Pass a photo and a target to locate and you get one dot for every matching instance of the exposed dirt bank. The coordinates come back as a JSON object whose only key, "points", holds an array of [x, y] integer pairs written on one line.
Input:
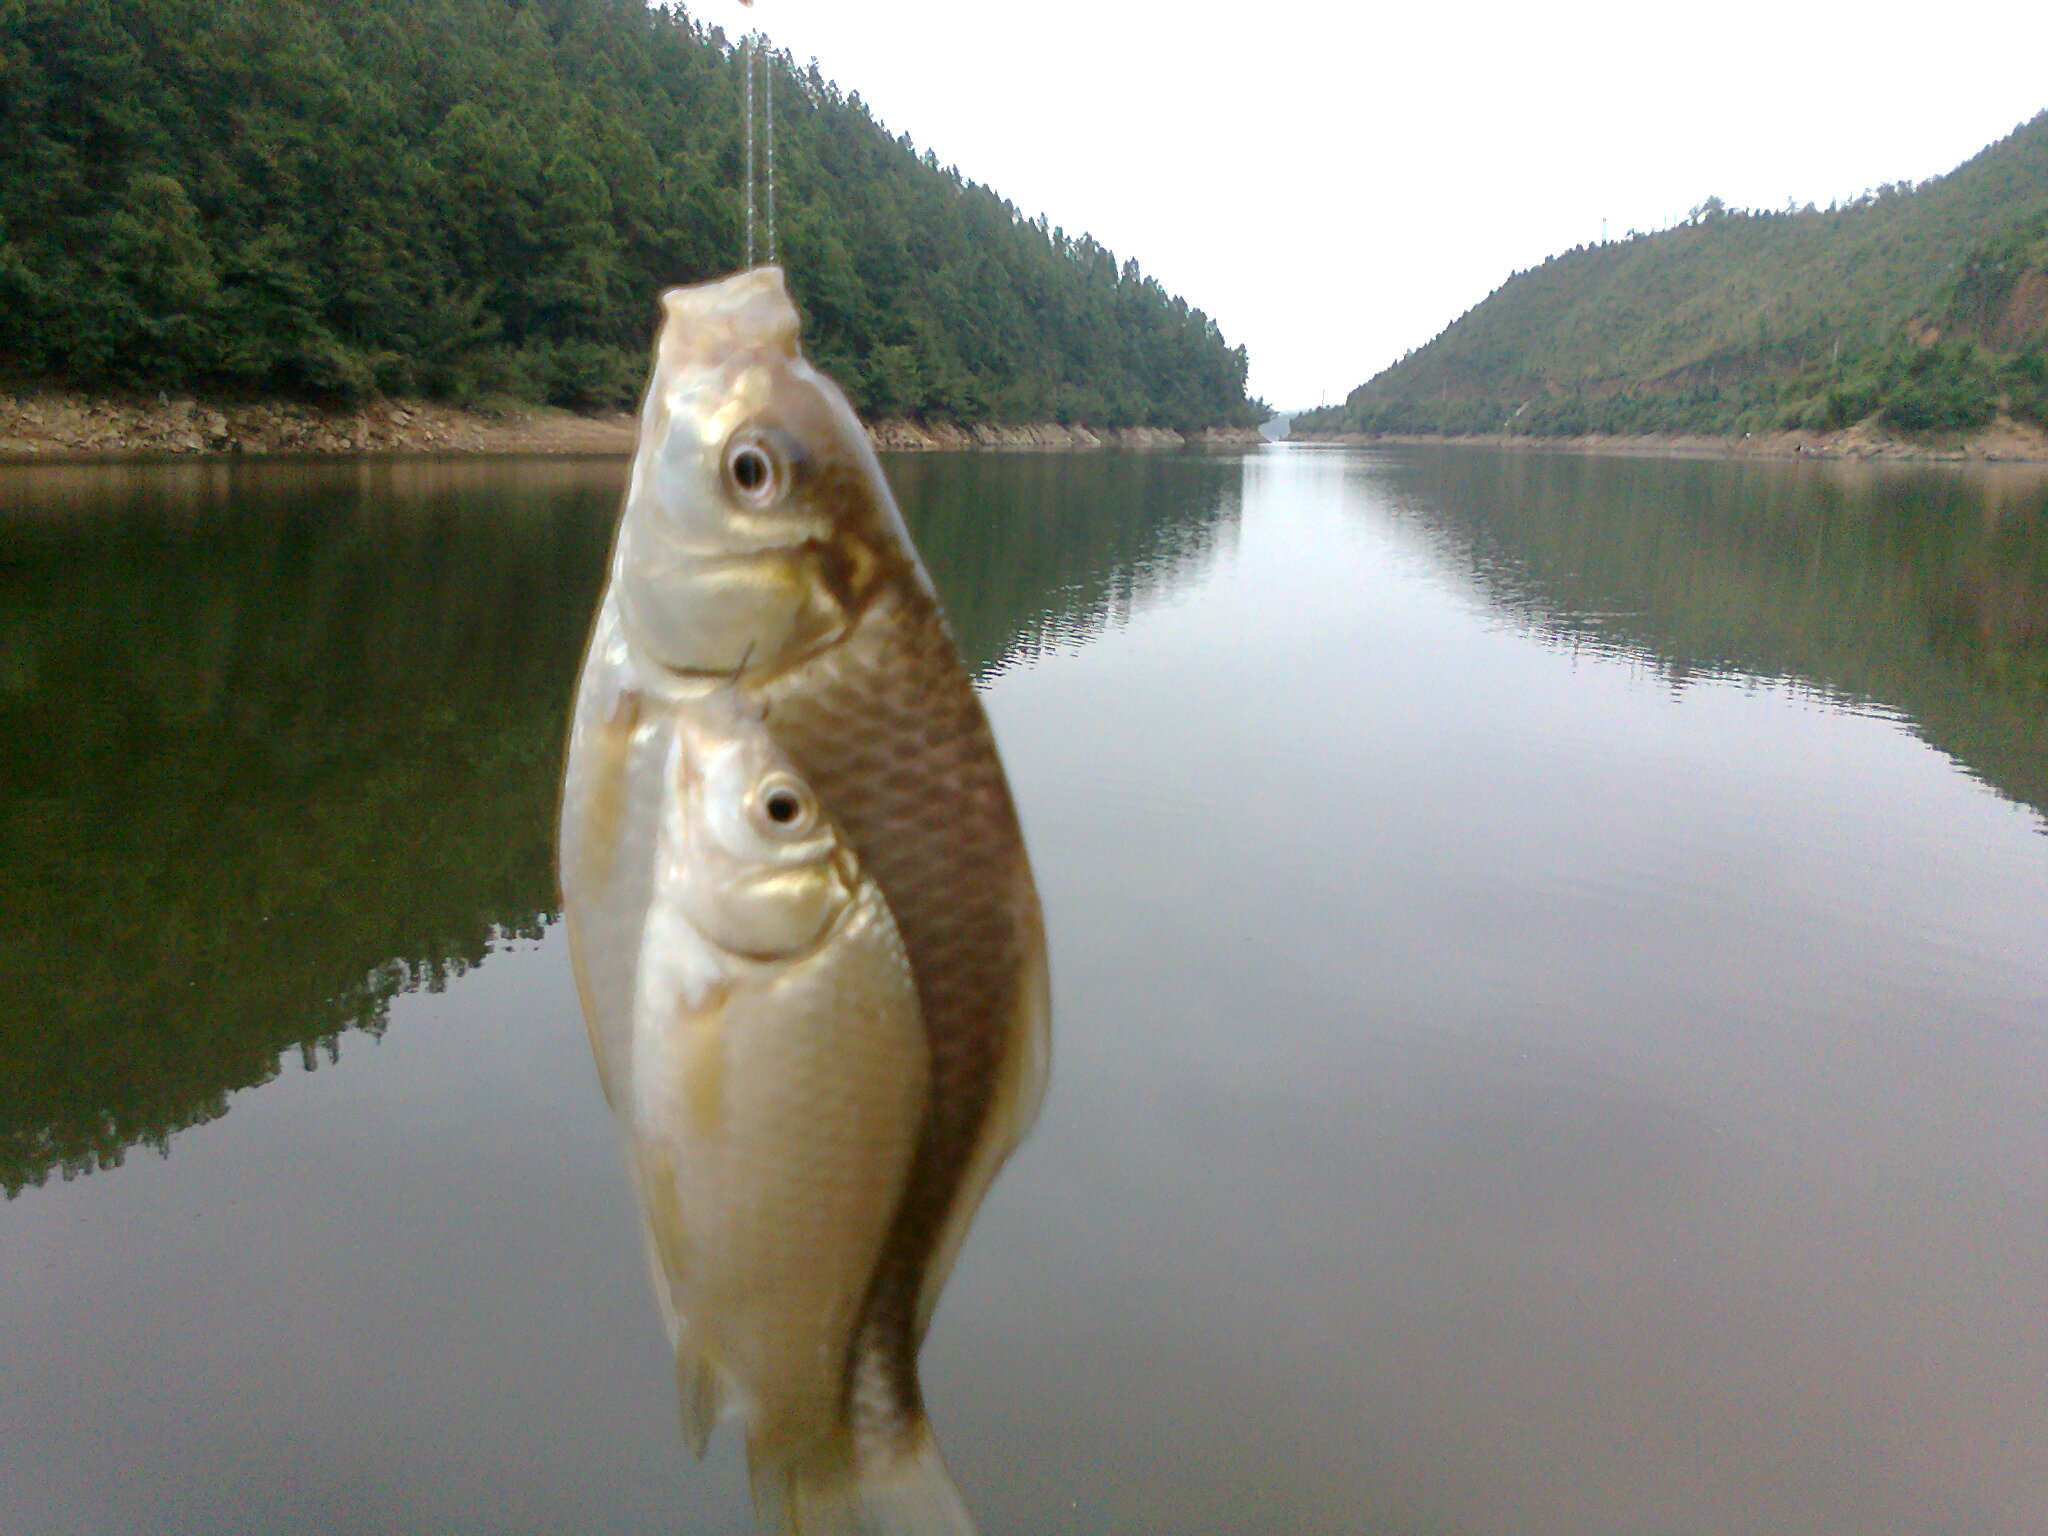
{"points": [[78, 426], [2004, 441], [66, 426]]}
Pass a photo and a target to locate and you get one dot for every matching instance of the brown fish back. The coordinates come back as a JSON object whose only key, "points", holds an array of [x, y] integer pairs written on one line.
{"points": [[888, 729]]}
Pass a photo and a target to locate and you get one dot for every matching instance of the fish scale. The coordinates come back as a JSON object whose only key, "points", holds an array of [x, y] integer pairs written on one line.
{"points": [[894, 738]]}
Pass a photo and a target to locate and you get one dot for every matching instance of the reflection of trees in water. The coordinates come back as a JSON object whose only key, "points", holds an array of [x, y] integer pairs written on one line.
{"points": [[1921, 590], [280, 742], [1035, 551]]}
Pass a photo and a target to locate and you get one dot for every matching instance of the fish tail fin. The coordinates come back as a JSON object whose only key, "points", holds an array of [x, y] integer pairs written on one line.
{"points": [[907, 1493]]}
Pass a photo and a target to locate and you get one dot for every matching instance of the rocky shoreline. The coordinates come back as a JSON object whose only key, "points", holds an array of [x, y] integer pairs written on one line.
{"points": [[2004, 441], [1047, 437], [59, 426]]}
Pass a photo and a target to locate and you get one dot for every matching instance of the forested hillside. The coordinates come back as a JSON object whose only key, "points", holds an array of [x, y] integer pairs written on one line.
{"points": [[479, 199], [1913, 303]]}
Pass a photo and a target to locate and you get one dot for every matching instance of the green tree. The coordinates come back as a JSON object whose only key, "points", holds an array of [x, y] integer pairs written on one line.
{"points": [[475, 197]]}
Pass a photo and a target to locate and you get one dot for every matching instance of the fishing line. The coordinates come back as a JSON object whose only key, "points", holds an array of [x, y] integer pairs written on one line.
{"points": [[753, 50], [747, 63]]}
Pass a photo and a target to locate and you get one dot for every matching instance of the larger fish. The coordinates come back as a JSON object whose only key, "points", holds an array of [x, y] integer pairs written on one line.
{"points": [[806, 936]]}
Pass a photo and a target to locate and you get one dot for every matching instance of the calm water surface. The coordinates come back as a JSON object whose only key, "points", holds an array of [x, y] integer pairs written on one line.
{"points": [[1552, 1004]]}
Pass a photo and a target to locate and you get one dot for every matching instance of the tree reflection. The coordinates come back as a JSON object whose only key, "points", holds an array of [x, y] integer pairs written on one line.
{"points": [[275, 752], [279, 742], [1920, 590], [1034, 551]]}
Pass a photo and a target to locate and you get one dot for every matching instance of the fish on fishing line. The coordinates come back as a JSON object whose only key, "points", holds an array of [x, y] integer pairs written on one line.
{"points": [[806, 936]]}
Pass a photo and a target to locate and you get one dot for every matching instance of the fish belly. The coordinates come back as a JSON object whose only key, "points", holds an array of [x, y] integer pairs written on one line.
{"points": [[775, 1112], [622, 743]]}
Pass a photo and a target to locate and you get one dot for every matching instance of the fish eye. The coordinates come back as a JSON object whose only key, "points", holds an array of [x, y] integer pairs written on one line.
{"points": [[783, 808], [754, 470]]}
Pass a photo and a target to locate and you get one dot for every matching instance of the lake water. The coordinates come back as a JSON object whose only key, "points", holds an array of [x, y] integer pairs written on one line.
{"points": [[1551, 965]]}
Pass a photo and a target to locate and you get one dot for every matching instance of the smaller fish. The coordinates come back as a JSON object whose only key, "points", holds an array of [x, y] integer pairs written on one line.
{"points": [[779, 1080]]}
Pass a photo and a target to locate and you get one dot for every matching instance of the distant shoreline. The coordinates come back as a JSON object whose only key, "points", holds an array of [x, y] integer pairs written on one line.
{"points": [[2005, 442], [61, 427]]}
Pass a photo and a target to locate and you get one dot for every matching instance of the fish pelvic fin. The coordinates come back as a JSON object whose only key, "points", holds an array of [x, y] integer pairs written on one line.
{"points": [[702, 1398], [906, 1493], [701, 1391]]}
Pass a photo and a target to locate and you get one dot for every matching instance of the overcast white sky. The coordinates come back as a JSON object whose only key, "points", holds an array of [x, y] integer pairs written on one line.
{"points": [[1337, 182]]}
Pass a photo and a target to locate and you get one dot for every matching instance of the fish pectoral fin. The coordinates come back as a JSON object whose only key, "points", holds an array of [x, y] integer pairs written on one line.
{"points": [[702, 1395], [907, 1494]]}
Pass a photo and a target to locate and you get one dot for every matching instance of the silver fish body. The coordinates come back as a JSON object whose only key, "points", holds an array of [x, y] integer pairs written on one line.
{"points": [[805, 931]]}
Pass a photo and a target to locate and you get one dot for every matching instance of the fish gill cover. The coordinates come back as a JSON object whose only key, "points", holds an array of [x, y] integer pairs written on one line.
{"points": [[479, 199]]}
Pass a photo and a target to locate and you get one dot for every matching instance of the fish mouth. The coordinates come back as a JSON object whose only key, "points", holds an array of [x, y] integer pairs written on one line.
{"points": [[705, 323]]}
